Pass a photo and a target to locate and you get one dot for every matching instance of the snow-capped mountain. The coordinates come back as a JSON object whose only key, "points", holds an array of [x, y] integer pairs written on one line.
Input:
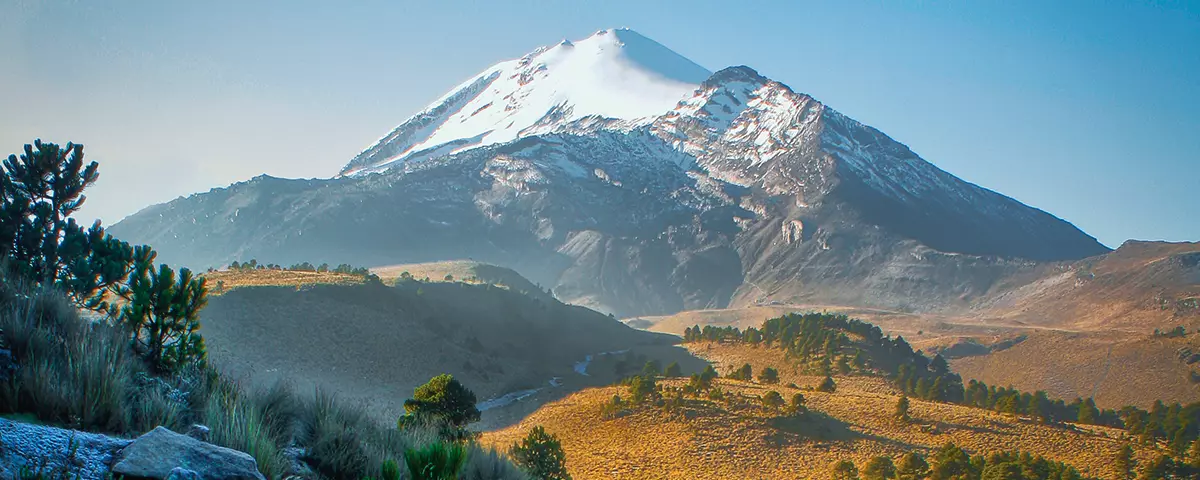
{"points": [[617, 76], [630, 179]]}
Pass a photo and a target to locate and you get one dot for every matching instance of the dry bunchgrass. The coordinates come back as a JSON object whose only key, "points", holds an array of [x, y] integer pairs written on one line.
{"points": [[715, 440], [220, 282]]}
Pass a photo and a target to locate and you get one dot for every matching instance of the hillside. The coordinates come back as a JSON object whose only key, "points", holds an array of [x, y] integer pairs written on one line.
{"points": [[376, 343], [717, 440], [1138, 287], [1116, 369]]}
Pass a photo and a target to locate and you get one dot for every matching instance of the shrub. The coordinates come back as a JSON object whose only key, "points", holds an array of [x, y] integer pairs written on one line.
{"points": [[642, 388], [827, 385], [436, 461], [541, 456], [902, 410], [879, 468], [673, 370], [769, 375], [772, 400], [912, 467], [797, 405], [390, 470], [843, 470], [745, 373], [445, 398]]}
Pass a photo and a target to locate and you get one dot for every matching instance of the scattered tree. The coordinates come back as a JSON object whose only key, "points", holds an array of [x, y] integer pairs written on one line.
{"points": [[772, 400], [1125, 463], [673, 370], [541, 455], [902, 410], [798, 405], [879, 468], [769, 375], [912, 467], [444, 398], [745, 374], [844, 470], [827, 385]]}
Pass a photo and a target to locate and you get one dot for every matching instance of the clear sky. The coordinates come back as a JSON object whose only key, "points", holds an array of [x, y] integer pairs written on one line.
{"points": [[1087, 109]]}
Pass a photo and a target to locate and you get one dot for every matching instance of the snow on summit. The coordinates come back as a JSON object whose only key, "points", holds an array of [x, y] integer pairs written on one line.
{"points": [[614, 74]]}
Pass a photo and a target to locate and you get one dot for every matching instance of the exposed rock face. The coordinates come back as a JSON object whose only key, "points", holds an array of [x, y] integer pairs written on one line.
{"points": [[744, 191], [35, 446], [163, 454]]}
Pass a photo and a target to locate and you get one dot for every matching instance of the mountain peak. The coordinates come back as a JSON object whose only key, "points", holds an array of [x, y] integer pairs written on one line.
{"points": [[615, 74]]}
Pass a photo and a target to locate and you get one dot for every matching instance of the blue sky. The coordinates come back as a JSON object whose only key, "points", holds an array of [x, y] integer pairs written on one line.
{"points": [[1089, 110]]}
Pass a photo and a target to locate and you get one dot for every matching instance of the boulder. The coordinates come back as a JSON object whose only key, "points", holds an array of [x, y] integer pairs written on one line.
{"points": [[198, 432], [158, 453], [55, 451]]}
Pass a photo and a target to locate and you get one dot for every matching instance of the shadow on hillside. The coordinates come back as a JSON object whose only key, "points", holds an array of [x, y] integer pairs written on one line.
{"points": [[810, 426]]}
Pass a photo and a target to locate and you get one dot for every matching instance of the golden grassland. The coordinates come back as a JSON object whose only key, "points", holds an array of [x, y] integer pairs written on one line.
{"points": [[222, 281], [435, 271], [1115, 368], [737, 439]]}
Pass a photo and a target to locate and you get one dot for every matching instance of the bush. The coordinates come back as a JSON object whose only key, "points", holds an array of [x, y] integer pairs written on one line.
{"points": [[445, 398], [772, 400], [827, 385], [541, 456], [879, 468], [769, 375], [673, 370], [745, 373], [844, 470], [436, 461]]}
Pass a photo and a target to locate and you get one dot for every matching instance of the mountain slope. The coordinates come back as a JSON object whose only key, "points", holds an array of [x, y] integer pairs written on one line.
{"points": [[739, 190]]}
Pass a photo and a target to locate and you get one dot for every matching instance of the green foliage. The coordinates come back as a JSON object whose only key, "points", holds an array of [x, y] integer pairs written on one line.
{"points": [[162, 313], [902, 410], [827, 385], [445, 398], [1003, 471], [1125, 463], [436, 461], [541, 456], [797, 405], [642, 388], [652, 368], [673, 370], [879, 468], [745, 373], [912, 466], [769, 376], [950, 463], [843, 470], [772, 400], [390, 470]]}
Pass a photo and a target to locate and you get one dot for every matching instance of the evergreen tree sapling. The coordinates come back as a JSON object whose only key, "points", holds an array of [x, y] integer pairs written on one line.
{"points": [[540, 454]]}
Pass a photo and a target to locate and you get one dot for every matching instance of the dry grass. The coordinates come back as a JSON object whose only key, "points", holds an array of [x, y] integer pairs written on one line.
{"points": [[710, 440], [435, 271], [1115, 368], [229, 280]]}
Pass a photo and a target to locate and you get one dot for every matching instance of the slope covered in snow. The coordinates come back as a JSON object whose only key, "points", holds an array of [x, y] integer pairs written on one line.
{"points": [[614, 74]]}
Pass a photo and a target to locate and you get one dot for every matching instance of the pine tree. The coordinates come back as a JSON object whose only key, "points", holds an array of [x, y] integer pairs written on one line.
{"points": [[1125, 463], [912, 467], [541, 455], [902, 410], [827, 385], [879, 468], [772, 400], [797, 406], [844, 470], [769, 376], [745, 373], [673, 370], [1088, 412], [162, 313], [444, 398]]}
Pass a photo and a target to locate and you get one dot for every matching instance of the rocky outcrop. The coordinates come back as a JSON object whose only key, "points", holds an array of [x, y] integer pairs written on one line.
{"points": [[54, 451], [163, 454]]}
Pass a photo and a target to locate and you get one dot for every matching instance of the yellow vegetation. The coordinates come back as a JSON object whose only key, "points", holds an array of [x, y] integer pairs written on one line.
{"points": [[732, 439]]}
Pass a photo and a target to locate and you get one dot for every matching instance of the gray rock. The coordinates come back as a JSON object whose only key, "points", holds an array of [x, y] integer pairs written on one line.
{"points": [[157, 454], [198, 432], [180, 473], [55, 450]]}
